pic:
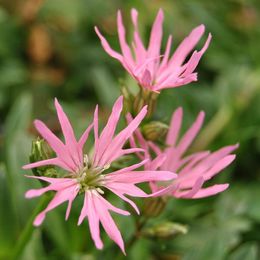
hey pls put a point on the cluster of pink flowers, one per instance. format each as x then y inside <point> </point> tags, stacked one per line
<point>169,171</point>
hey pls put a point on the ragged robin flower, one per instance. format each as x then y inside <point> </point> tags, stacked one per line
<point>194,169</point>
<point>152,70</point>
<point>91,175</point>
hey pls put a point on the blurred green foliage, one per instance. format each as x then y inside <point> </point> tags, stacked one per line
<point>48,49</point>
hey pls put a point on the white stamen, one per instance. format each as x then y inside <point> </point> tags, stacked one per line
<point>85,159</point>
<point>99,191</point>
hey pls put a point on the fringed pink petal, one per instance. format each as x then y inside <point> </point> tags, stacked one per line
<point>195,58</point>
<point>219,166</point>
<point>155,148</point>
<point>159,191</point>
<point>190,135</point>
<point>172,79</point>
<point>217,155</point>
<point>146,79</point>
<point>155,41</point>
<point>132,150</point>
<point>55,143</point>
<point>112,153</point>
<point>190,162</point>
<point>172,160</point>
<point>53,180</point>
<point>190,193</point>
<point>140,52</point>
<point>208,166</point>
<point>123,44</point>
<point>107,47</point>
<point>108,132</point>
<point>175,127</point>
<point>141,176</point>
<point>70,140</point>
<point>125,188</point>
<point>53,161</point>
<point>74,194</point>
<point>84,210</point>
<point>60,184</point>
<point>36,192</point>
<point>210,191</point>
<point>202,169</point>
<point>96,136</point>
<point>139,138</point>
<point>186,46</point>
<point>89,209</point>
<point>108,223</point>
<point>130,168</point>
<point>84,136</point>
<point>109,205</point>
<point>60,197</point>
<point>156,163</point>
<point>121,195</point>
<point>165,56</point>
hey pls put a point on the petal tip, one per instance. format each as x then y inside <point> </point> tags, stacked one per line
<point>119,14</point>
<point>160,12</point>
<point>25,167</point>
<point>201,28</point>
<point>37,122</point>
<point>179,110</point>
<point>39,219</point>
<point>202,114</point>
<point>28,195</point>
<point>96,30</point>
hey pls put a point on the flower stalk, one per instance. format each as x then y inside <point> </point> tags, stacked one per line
<point>27,232</point>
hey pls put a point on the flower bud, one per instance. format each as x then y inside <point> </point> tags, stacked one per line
<point>154,130</point>
<point>138,103</point>
<point>145,97</point>
<point>128,99</point>
<point>165,230</point>
<point>42,151</point>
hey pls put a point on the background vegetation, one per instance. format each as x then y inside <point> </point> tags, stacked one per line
<point>49,49</point>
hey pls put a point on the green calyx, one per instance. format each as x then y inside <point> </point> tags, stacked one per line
<point>41,151</point>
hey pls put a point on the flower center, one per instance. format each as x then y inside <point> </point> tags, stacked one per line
<point>90,177</point>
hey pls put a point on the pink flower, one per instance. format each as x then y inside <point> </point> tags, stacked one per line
<point>194,169</point>
<point>86,173</point>
<point>152,70</point>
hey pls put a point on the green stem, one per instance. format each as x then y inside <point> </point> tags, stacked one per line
<point>28,229</point>
<point>134,238</point>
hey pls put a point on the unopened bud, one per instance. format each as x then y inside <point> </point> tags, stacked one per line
<point>42,151</point>
<point>128,99</point>
<point>145,97</point>
<point>165,230</point>
<point>154,130</point>
<point>139,103</point>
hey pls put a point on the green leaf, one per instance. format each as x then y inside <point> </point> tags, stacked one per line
<point>105,87</point>
<point>34,249</point>
<point>247,251</point>
<point>7,234</point>
<point>16,151</point>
